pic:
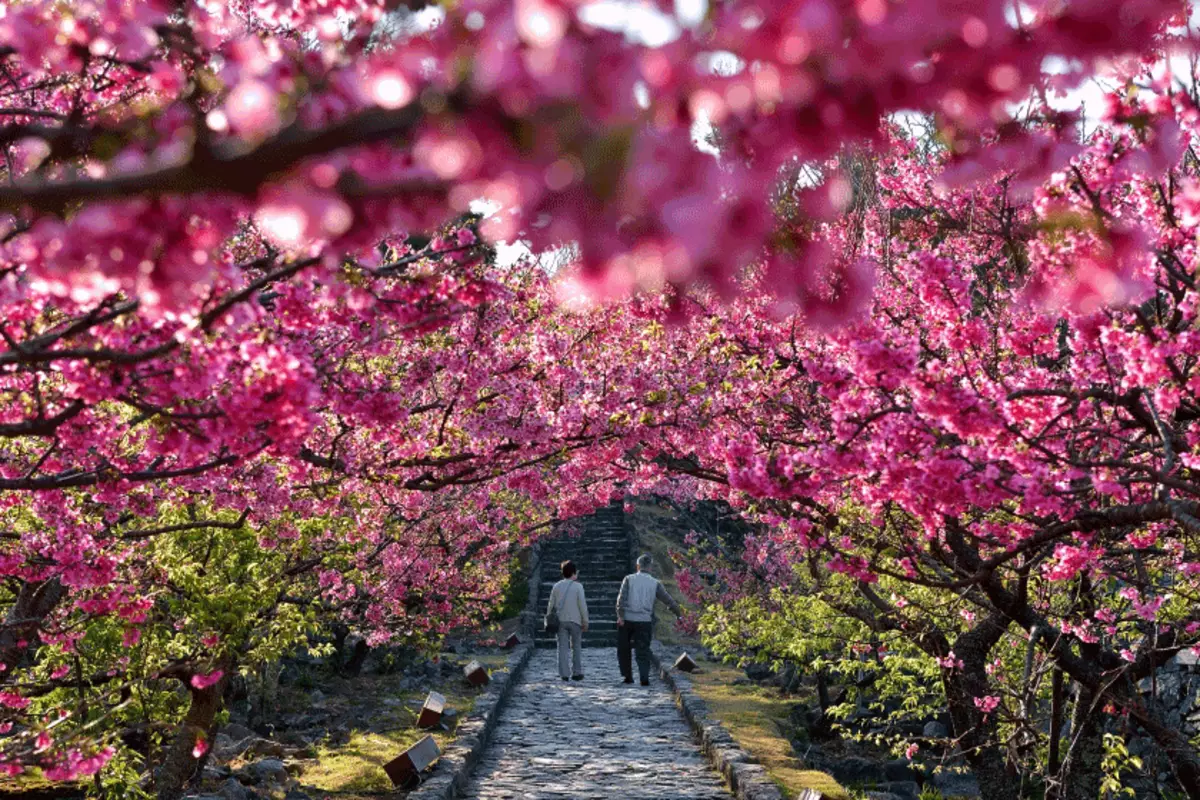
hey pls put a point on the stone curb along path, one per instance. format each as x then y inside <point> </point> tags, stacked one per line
<point>453,768</point>
<point>747,778</point>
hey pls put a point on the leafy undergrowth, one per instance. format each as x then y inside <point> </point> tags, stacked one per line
<point>755,716</point>
<point>383,727</point>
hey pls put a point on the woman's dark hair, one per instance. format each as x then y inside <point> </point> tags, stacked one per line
<point>568,568</point>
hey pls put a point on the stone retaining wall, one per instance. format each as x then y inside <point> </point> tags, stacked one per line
<point>746,778</point>
<point>1176,690</point>
<point>531,620</point>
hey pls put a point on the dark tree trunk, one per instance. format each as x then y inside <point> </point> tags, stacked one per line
<point>1094,673</point>
<point>33,604</point>
<point>340,631</point>
<point>358,655</point>
<point>1056,719</point>
<point>823,691</point>
<point>975,731</point>
<point>1082,772</point>
<point>179,764</point>
<point>1184,760</point>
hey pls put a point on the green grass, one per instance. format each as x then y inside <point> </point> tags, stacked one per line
<point>754,716</point>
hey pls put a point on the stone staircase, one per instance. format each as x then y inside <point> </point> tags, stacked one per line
<point>601,552</point>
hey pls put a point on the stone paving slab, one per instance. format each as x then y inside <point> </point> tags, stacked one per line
<point>597,738</point>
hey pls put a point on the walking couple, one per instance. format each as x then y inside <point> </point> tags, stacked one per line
<point>635,620</point>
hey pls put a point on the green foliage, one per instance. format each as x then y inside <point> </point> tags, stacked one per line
<point>121,779</point>
<point>516,591</point>
<point>1117,761</point>
<point>220,604</point>
<point>883,673</point>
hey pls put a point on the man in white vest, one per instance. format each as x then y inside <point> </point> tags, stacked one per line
<point>635,618</point>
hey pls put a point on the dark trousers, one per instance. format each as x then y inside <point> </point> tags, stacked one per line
<point>635,635</point>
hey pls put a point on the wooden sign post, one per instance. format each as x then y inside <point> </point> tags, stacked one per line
<point>685,664</point>
<point>476,674</point>
<point>431,712</point>
<point>405,770</point>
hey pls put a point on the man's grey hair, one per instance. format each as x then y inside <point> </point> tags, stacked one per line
<point>644,561</point>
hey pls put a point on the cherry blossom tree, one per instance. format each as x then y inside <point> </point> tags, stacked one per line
<point>250,313</point>
<point>379,447</point>
<point>995,454</point>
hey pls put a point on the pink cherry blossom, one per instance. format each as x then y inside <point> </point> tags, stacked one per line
<point>206,680</point>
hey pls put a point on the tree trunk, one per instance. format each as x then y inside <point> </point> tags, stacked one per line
<point>33,604</point>
<point>1184,760</point>
<point>1056,719</point>
<point>975,737</point>
<point>358,656</point>
<point>179,764</point>
<point>1082,772</point>
<point>823,691</point>
<point>340,631</point>
<point>974,730</point>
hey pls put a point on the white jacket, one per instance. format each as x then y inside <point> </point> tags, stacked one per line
<point>567,597</point>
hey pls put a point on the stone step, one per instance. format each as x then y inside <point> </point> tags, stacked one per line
<point>598,566</point>
<point>590,592</point>
<point>590,583</point>
<point>592,559</point>
<point>604,589</point>
<point>599,546</point>
<point>594,628</point>
<point>548,644</point>
<point>587,558</point>
<point>596,611</point>
<point>588,578</point>
<point>581,561</point>
<point>601,571</point>
<point>610,538</point>
<point>593,596</point>
<point>606,618</point>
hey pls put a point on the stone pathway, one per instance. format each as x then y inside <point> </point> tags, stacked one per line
<point>596,738</point>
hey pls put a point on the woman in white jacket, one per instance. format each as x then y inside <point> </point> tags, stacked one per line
<point>567,597</point>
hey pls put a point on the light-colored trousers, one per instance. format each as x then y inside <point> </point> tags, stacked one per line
<point>570,662</point>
